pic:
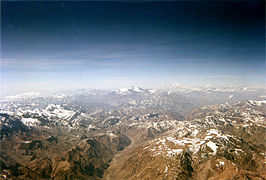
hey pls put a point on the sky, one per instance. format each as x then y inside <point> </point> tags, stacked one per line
<point>64,44</point>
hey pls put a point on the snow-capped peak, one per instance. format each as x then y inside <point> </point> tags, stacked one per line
<point>123,90</point>
<point>136,89</point>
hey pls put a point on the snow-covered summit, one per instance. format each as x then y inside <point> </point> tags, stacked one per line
<point>135,89</point>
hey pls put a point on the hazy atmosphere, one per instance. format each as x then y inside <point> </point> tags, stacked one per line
<point>53,45</point>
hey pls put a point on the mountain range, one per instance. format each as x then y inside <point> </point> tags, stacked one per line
<point>134,133</point>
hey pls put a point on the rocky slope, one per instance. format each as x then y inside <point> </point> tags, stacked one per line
<point>221,142</point>
<point>78,135</point>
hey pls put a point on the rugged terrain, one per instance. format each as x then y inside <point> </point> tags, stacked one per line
<point>221,142</point>
<point>134,133</point>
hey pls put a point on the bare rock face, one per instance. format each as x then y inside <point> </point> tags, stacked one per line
<point>54,158</point>
<point>42,166</point>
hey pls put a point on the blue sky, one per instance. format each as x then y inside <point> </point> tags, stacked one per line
<point>52,45</point>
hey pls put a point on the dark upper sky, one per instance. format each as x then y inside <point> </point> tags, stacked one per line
<point>115,44</point>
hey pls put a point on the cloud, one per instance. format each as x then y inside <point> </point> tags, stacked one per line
<point>120,78</point>
<point>208,85</point>
<point>175,84</point>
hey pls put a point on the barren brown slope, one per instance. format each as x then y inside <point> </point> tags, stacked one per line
<point>112,173</point>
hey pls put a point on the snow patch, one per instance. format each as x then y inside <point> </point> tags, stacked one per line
<point>30,121</point>
<point>230,96</point>
<point>213,146</point>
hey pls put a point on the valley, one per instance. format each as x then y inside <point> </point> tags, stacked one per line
<point>132,90</point>
<point>133,134</point>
